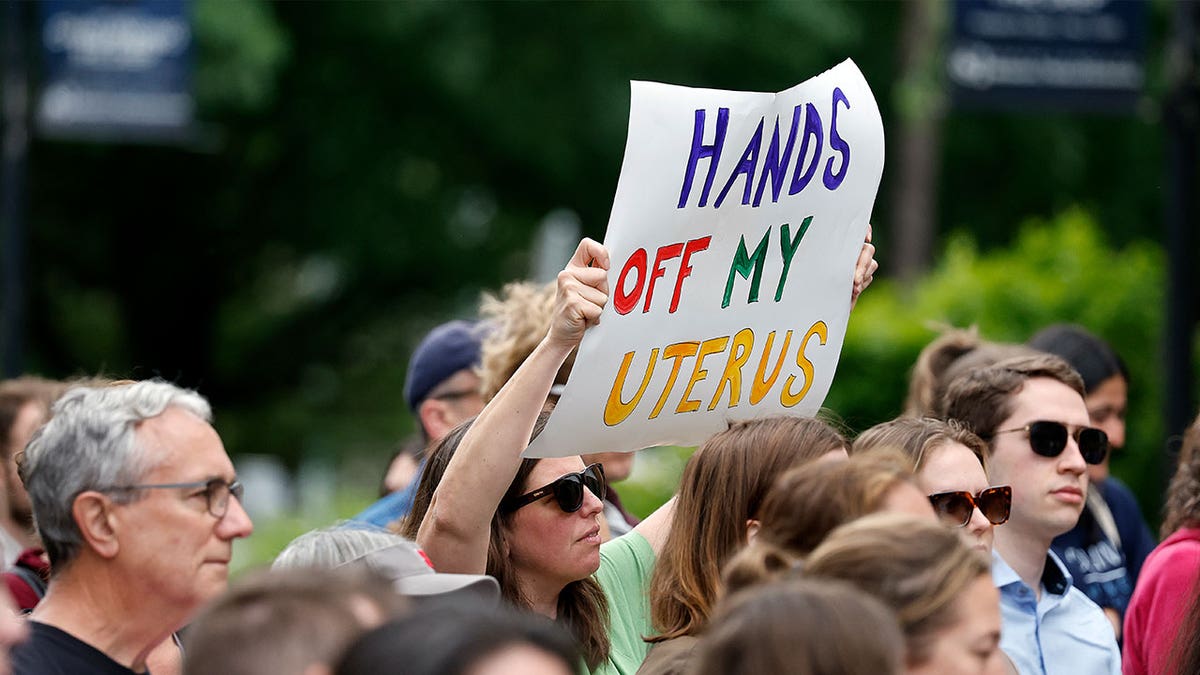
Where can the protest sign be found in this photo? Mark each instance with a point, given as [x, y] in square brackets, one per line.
[736, 225]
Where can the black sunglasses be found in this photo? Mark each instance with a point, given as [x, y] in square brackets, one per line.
[1049, 439]
[955, 508]
[567, 491]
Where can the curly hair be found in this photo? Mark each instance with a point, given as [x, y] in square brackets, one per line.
[520, 317]
[1182, 508]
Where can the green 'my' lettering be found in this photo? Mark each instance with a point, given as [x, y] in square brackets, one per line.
[745, 263]
[788, 247]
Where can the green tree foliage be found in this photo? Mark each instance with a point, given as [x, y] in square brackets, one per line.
[243, 49]
[364, 169]
[1057, 270]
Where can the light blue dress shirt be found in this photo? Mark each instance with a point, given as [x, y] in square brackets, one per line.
[1064, 633]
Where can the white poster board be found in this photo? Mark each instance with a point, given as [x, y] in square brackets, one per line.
[736, 225]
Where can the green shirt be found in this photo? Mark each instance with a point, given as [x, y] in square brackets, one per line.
[626, 564]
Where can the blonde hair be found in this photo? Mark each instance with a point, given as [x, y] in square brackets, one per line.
[956, 352]
[917, 437]
[931, 366]
[918, 568]
[519, 318]
[802, 627]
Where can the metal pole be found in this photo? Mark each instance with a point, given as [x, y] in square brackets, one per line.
[1181, 121]
[12, 194]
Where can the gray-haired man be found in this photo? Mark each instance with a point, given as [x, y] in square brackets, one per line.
[136, 503]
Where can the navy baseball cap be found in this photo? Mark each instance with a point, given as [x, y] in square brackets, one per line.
[447, 349]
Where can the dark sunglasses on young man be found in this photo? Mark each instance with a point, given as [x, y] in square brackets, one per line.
[1049, 439]
[567, 490]
[955, 508]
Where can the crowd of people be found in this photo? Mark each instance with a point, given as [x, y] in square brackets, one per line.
[979, 533]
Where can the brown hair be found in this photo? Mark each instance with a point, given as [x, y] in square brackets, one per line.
[808, 503]
[916, 436]
[802, 627]
[520, 317]
[723, 486]
[15, 394]
[582, 605]
[982, 399]
[955, 352]
[918, 568]
[931, 366]
[285, 621]
[1182, 508]
[437, 458]
[985, 355]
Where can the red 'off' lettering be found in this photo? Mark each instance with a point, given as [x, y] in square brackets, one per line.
[629, 290]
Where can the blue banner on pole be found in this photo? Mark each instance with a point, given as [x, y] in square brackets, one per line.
[116, 70]
[1065, 54]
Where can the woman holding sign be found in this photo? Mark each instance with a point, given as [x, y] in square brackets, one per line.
[542, 513]
[536, 519]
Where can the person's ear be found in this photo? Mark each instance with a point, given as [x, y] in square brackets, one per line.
[752, 527]
[93, 514]
[435, 418]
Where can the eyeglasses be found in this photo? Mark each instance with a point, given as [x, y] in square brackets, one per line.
[567, 491]
[955, 508]
[216, 492]
[1049, 439]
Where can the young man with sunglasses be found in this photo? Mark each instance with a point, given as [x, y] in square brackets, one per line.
[138, 506]
[1031, 412]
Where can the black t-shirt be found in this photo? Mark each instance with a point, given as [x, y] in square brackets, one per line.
[50, 651]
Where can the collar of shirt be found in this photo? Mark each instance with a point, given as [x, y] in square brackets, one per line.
[1056, 580]
[1060, 632]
